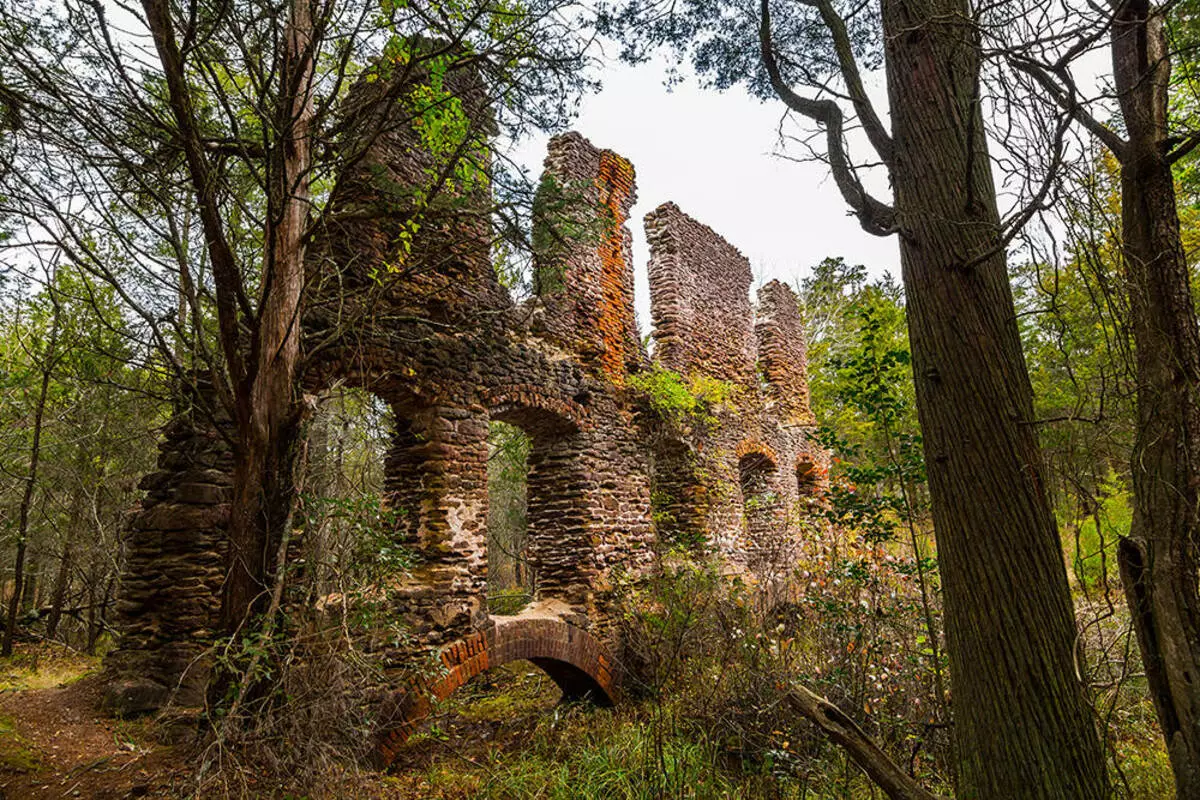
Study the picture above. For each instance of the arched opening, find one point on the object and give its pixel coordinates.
(678, 501)
(352, 506)
(556, 545)
(763, 511)
(807, 480)
(575, 662)
(510, 576)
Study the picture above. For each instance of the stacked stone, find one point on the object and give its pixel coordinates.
(396, 238)
(700, 299)
(584, 277)
(171, 585)
(737, 480)
(446, 349)
(782, 353)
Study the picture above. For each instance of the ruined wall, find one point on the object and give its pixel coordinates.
(700, 299)
(782, 354)
(416, 315)
(169, 603)
(583, 271)
(735, 480)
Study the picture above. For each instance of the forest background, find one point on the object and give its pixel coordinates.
(90, 353)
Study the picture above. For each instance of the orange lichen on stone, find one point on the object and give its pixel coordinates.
(615, 182)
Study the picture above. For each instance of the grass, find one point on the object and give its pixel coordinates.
(44, 666)
(15, 754)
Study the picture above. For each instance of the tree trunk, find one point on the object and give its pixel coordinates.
(1158, 560)
(268, 414)
(35, 454)
(60, 591)
(1023, 725)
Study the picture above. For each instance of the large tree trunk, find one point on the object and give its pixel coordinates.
(268, 411)
(1023, 725)
(1158, 560)
(261, 395)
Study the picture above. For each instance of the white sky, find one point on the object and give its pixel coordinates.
(712, 154)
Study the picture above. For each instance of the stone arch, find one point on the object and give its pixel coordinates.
(579, 664)
(808, 476)
(533, 405)
(679, 500)
(557, 515)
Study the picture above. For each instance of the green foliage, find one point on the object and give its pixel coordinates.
(1091, 540)
(564, 217)
(694, 400)
(510, 577)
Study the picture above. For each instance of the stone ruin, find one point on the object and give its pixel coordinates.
(442, 343)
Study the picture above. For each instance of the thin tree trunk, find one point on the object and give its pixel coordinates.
(1023, 725)
(1158, 561)
(60, 591)
(261, 395)
(35, 454)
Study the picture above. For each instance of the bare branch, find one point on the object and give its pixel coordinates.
(880, 139)
(876, 217)
(1063, 92)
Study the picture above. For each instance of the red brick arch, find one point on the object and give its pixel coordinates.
(569, 655)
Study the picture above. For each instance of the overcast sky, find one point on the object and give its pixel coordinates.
(713, 154)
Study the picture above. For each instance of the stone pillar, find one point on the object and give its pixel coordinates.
(437, 473)
(583, 267)
(169, 602)
(782, 353)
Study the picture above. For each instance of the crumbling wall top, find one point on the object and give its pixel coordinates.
(699, 298)
(782, 352)
(583, 259)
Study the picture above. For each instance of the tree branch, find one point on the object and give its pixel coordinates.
(878, 135)
(1068, 100)
(875, 217)
(887, 775)
(231, 296)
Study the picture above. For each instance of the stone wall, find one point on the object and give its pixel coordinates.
(736, 482)
(169, 604)
(418, 317)
(700, 299)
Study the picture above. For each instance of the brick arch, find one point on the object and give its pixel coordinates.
(755, 448)
(573, 659)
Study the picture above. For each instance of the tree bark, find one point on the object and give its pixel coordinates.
(262, 394)
(269, 412)
(1023, 725)
(1158, 560)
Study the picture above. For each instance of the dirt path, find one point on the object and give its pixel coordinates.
(54, 743)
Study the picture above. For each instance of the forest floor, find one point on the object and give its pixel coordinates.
(505, 736)
(56, 743)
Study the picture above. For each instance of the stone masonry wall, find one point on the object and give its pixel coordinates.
(417, 316)
(700, 298)
(168, 608)
(584, 269)
(748, 480)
